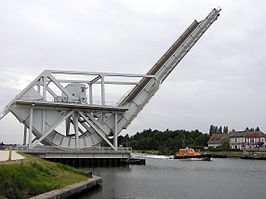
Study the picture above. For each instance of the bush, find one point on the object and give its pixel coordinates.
(36, 177)
(220, 148)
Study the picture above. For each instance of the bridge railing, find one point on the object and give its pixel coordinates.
(41, 149)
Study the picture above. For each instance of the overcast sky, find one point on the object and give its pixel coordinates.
(221, 81)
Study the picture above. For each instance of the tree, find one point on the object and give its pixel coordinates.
(225, 142)
(225, 131)
(133, 144)
(220, 130)
(167, 142)
(201, 140)
(216, 130)
(257, 129)
(211, 131)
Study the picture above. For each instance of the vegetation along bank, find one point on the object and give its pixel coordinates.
(165, 142)
(33, 176)
(168, 142)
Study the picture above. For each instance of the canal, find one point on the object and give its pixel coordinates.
(162, 177)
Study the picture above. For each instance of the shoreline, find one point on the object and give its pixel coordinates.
(70, 190)
(228, 154)
(33, 176)
(252, 155)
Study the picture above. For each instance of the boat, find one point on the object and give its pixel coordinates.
(190, 154)
(134, 161)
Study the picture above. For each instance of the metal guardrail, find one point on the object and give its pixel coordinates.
(23, 148)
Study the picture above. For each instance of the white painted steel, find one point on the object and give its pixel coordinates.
(50, 102)
(25, 136)
(31, 123)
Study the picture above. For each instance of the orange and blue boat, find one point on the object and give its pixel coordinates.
(190, 154)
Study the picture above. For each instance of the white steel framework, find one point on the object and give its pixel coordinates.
(60, 97)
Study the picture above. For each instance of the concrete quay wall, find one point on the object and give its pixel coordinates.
(260, 155)
(70, 190)
(90, 162)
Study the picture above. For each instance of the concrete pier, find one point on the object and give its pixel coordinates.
(254, 154)
(99, 157)
(70, 190)
(90, 162)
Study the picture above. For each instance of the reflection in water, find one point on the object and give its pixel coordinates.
(168, 178)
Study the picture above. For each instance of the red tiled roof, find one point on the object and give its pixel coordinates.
(256, 134)
(215, 138)
(234, 134)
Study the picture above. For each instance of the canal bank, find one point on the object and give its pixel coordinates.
(255, 155)
(33, 176)
(216, 154)
(71, 190)
(246, 154)
(225, 154)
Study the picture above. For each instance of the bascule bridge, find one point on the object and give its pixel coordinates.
(66, 99)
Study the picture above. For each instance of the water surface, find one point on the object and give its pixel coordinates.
(168, 178)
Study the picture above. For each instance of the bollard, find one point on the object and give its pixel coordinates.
(10, 153)
(88, 174)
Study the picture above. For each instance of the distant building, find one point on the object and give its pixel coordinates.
(255, 140)
(2, 146)
(214, 140)
(247, 140)
(238, 139)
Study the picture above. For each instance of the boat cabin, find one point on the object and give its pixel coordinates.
(188, 152)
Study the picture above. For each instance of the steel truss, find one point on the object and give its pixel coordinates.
(59, 98)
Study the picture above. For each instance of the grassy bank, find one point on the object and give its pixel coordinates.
(32, 176)
(154, 152)
(230, 154)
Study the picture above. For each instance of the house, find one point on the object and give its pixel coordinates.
(247, 140)
(238, 139)
(255, 140)
(214, 140)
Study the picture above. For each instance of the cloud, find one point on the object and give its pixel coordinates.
(221, 81)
